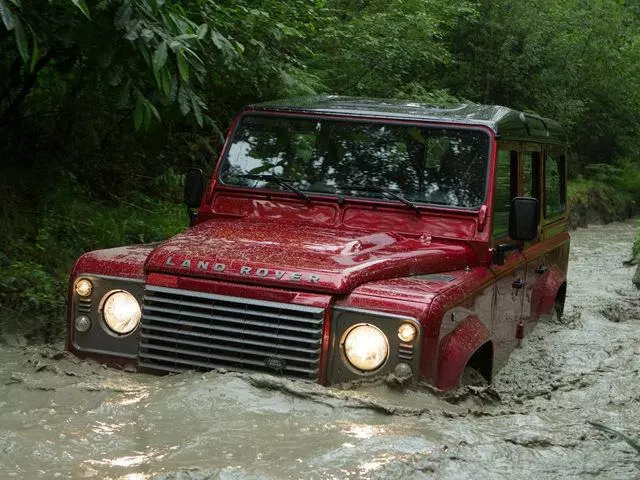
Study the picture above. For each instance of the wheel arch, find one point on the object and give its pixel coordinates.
(469, 341)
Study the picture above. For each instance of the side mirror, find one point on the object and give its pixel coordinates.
(193, 187)
(523, 218)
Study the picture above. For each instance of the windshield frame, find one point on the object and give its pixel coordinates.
(350, 118)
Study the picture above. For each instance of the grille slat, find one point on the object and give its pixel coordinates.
(226, 338)
(184, 330)
(222, 308)
(210, 346)
(225, 329)
(163, 362)
(233, 320)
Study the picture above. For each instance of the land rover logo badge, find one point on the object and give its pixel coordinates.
(275, 363)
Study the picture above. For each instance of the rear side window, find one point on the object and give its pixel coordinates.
(554, 186)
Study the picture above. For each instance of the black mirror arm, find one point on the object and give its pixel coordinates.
(500, 250)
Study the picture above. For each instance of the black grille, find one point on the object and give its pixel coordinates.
(187, 330)
(84, 305)
(405, 352)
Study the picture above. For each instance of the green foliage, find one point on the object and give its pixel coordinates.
(29, 297)
(595, 201)
(570, 60)
(380, 48)
(38, 255)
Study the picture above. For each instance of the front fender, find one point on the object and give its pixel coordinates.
(457, 348)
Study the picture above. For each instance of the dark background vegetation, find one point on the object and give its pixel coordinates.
(103, 104)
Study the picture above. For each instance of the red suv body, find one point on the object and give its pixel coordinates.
(340, 239)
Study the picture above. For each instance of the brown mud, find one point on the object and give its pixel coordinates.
(567, 405)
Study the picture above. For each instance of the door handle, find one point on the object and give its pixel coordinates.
(541, 269)
(518, 283)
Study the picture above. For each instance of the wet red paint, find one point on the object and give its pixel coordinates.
(361, 253)
(302, 256)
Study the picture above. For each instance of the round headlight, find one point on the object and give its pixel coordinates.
(366, 347)
(83, 287)
(121, 312)
(407, 332)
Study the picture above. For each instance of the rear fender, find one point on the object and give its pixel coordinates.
(545, 292)
(457, 348)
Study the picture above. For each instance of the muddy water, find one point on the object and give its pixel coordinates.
(62, 418)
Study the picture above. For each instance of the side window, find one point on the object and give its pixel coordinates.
(554, 187)
(530, 169)
(506, 189)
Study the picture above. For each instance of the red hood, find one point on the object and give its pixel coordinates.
(308, 257)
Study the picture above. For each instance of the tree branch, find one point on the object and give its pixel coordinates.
(27, 86)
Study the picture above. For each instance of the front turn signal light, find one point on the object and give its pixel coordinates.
(407, 332)
(83, 287)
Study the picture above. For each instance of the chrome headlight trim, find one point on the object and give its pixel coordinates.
(121, 311)
(365, 347)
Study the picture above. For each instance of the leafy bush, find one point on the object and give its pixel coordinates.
(35, 268)
(29, 298)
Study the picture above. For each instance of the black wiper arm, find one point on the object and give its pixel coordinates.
(386, 191)
(280, 181)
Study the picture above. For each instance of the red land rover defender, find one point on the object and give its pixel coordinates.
(345, 238)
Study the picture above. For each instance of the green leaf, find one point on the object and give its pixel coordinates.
(183, 66)
(146, 121)
(7, 16)
(187, 36)
(165, 81)
(222, 43)
(21, 40)
(183, 101)
(152, 108)
(123, 16)
(160, 56)
(197, 110)
(35, 54)
(81, 4)
(202, 31)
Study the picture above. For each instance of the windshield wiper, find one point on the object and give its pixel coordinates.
(386, 191)
(280, 181)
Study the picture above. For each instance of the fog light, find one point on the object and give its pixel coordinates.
(366, 347)
(84, 287)
(83, 323)
(403, 371)
(407, 332)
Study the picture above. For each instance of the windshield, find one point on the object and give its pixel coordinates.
(443, 166)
